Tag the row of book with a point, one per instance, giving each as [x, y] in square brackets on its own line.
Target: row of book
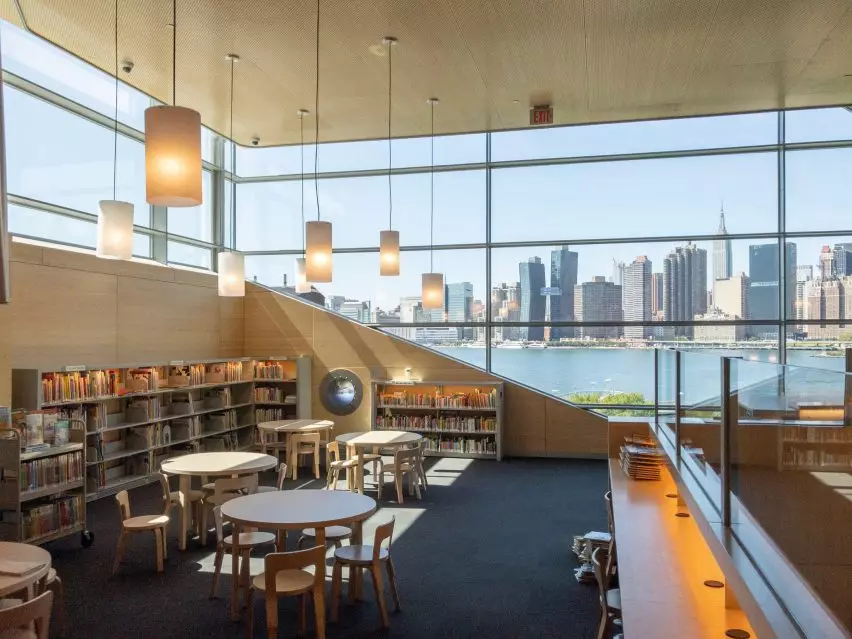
[61, 387]
[475, 399]
[640, 458]
[99, 476]
[272, 414]
[41, 429]
[436, 423]
[460, 444]
[795, 456]
[60, 514]
[272, 370]
[52, 471]
[273, 394]
[818, 435]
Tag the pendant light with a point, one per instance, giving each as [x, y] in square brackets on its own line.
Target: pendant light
[318, 260]
[389, 240]
[432, 294]
[302, 284]
[231, 264]
[173, 147]
[115, 218]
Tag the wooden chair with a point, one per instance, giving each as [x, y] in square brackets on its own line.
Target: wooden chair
[304, 444]
[225, 489]
[143, 523]
[270, 444]
[16, 621]
[199, 513]
[279, 481]
[370, 557]
[612, 563]
[333, 534]
[284, 575]
[243, 547]
[421, 471]
[334, 463]
[406, 464]
[609, 598]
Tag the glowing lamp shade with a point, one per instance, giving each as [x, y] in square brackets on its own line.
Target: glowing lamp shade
[433, 291]
[232, 274]
[318, 251]
[302, 284]
[115, 230]
[172, 156]
[389, 253]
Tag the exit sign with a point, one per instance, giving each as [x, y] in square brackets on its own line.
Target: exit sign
[541, 115]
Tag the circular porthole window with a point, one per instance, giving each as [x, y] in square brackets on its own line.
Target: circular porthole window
[341, 392]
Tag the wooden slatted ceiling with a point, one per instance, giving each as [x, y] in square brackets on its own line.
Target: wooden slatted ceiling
[594, 60]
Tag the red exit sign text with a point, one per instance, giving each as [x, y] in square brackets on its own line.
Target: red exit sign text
[541, 115]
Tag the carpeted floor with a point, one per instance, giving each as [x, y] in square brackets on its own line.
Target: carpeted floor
[485, 554]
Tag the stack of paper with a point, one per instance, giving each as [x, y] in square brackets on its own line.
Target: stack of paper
[641, 461]
[585, 545]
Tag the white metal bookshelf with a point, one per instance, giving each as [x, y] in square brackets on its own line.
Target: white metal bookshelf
[138, 415]
[457, 419]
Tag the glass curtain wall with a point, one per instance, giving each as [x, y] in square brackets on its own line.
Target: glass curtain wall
[569, 253]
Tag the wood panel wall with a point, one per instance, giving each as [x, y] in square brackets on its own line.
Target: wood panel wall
[534, 425]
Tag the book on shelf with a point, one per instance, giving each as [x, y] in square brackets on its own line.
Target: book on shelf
[471, 400]
[79, 385]
[272, 414]
[436, 423]
[60, 513]
[52, 471]
[460, 445]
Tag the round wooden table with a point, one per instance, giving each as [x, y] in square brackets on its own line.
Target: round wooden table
[290, 427]
[14, 551]
[294, 510]
[222, 464]
[374, 440]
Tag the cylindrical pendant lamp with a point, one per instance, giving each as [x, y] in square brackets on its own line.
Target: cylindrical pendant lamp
[172, 156]
[302, 284]
[115, 230]
[318, 251]
[389, 252]
[433, 291]
[232, 274]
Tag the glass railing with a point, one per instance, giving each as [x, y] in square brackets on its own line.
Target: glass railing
[770, 448]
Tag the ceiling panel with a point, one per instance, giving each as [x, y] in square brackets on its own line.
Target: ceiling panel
[488, 60]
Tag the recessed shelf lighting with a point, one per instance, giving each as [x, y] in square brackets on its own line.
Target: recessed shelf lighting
[671, 495]
[737, 633]
[714, 583]
[682, 515]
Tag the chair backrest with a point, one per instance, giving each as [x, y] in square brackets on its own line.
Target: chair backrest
[282, 475]
[275, 562]
[123, 500]
[33, 611]
[220, 524]
[167, 492]
[383, 532]
[332, 452]
[600, 558]
[305, 438]
[227, 488]
[406, 456]
[609, 517]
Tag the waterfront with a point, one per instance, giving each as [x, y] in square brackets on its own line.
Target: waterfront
[563, 371]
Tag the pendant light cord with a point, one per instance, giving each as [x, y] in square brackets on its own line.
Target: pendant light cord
[390, 144]
[233, 182]
[302, 179]
[174, 53]
[432, 189]
[316, 114]
[115, 140]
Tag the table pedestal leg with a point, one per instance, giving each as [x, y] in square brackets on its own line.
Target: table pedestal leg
[281, 541]
[184, 488]
[351, 472]
[235, 575]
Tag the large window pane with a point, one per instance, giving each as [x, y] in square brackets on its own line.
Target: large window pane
[636, 198]
[361, 156]
[197, 221]
[186, 254]
[269, 218]
[636, 137]
[48, 66]
[819, 189]
[816, 125]
[57, 157]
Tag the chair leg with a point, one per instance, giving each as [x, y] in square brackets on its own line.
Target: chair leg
[378, 586]
[350, 588]
[203, 525]
[217, 570]
[119, 551]
[398, 481]
[58, 604]
[303, 614]
[165, 542]
[250, 613]
[319, 612]
[336, 586]
[245, 569]
[316, 462]
[271, 615]
[392, 580]
[158, 536]
[380, 484]
[603, 624]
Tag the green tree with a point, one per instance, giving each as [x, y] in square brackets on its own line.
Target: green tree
[635, 399]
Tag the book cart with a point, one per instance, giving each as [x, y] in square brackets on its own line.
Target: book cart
[456, 419]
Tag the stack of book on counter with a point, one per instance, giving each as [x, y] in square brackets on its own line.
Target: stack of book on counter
[584, 546]
[640, 458]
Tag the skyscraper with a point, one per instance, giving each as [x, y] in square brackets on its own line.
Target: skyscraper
[723, 264]
[684, 285]
[656, 293]
[804, 274]
[732, 296]
[763, 269]
[598, 301]
[827, 263]
[533, 303]
[843, 259]
[636, 297]
[824, 300]
[460, 306]
[563, 279]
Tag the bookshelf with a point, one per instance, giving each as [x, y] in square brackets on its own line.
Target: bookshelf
[43, 490]
[816, 448]
[457, 419]
[138, 415]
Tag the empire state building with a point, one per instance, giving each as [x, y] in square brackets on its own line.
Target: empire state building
[723, 265]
